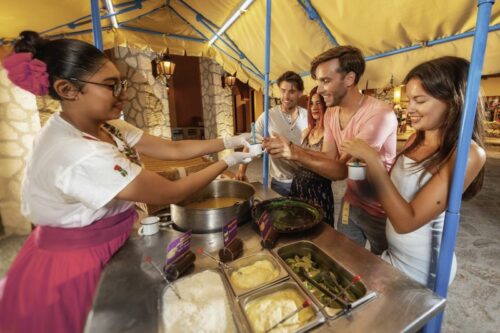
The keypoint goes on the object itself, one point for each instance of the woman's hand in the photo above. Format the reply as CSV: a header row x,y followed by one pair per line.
x,y
237,158
359,149
242,140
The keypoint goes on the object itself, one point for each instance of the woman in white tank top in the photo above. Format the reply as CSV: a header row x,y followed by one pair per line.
x,y
415,195
415,252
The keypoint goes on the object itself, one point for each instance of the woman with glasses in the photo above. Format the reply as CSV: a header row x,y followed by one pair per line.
x,y
81,182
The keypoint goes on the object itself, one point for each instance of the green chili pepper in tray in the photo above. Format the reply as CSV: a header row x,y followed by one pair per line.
x,y
324,279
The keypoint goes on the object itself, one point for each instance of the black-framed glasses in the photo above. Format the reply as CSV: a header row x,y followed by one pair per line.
x,y
117,88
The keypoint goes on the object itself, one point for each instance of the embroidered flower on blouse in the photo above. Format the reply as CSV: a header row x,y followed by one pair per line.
x,y
122,171
129,152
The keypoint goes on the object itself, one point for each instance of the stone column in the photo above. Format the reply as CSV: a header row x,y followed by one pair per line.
x,y
146,106
217,101
19,123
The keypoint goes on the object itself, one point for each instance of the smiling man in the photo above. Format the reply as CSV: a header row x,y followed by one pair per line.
x,y
350,115
287,120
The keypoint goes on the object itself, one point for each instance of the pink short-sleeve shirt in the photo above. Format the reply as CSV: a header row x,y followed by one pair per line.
x,y
376,124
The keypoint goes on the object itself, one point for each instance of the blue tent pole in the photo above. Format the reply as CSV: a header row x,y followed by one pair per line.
x,y
452,217
96,24
265,166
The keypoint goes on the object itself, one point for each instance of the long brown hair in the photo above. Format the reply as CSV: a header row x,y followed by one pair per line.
x,y
445,79
311,122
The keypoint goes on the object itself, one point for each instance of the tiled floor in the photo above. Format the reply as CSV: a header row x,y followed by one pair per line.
x,y
474,296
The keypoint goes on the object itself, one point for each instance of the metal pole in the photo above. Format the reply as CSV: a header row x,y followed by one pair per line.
x,y
96,24
267,56
313,15
452,217
430,43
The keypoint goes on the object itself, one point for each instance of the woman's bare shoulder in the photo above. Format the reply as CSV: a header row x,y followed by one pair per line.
x,y
477,154
475,160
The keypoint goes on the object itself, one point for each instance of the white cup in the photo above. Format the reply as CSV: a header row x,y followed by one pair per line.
x,y
255,150
357,170
149,226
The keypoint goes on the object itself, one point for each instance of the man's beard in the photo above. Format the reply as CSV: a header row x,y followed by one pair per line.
x,y
288,108
337,98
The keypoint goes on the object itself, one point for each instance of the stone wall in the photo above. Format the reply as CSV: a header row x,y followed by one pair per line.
x,y
217,101
146,105
46,108
19,123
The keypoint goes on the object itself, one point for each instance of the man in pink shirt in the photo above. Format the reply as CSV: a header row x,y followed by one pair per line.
x,y
350,115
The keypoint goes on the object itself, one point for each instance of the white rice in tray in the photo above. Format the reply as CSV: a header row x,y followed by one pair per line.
x,y
203,306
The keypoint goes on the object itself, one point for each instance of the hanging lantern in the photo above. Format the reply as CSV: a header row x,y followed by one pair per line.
x,y
228,80
163,68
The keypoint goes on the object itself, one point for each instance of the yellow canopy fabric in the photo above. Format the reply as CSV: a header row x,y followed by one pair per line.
x,y
184,27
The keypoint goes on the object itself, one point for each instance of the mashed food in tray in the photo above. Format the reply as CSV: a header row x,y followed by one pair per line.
x,y
265,311
251,276
203,306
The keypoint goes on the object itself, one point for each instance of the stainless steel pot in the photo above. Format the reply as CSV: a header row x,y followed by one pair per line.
x,y
206,220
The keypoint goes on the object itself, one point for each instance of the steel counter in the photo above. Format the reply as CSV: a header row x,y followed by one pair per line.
x,y
129,292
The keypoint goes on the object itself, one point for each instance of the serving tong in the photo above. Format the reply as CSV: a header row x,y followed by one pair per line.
x,y
200,250
345,305
149,260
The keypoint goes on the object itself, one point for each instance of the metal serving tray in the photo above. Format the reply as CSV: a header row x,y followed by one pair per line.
x,y
325,262
318,319
233,306
249,260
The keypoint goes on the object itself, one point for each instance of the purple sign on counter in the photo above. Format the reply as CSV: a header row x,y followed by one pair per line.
x,y
179,246
230,231
264,225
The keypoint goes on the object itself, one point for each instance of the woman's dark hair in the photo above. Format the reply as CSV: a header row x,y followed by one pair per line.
x,y
445,79
291,77
311,122
65,58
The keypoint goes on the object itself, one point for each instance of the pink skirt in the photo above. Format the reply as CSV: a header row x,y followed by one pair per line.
x,y
51,284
